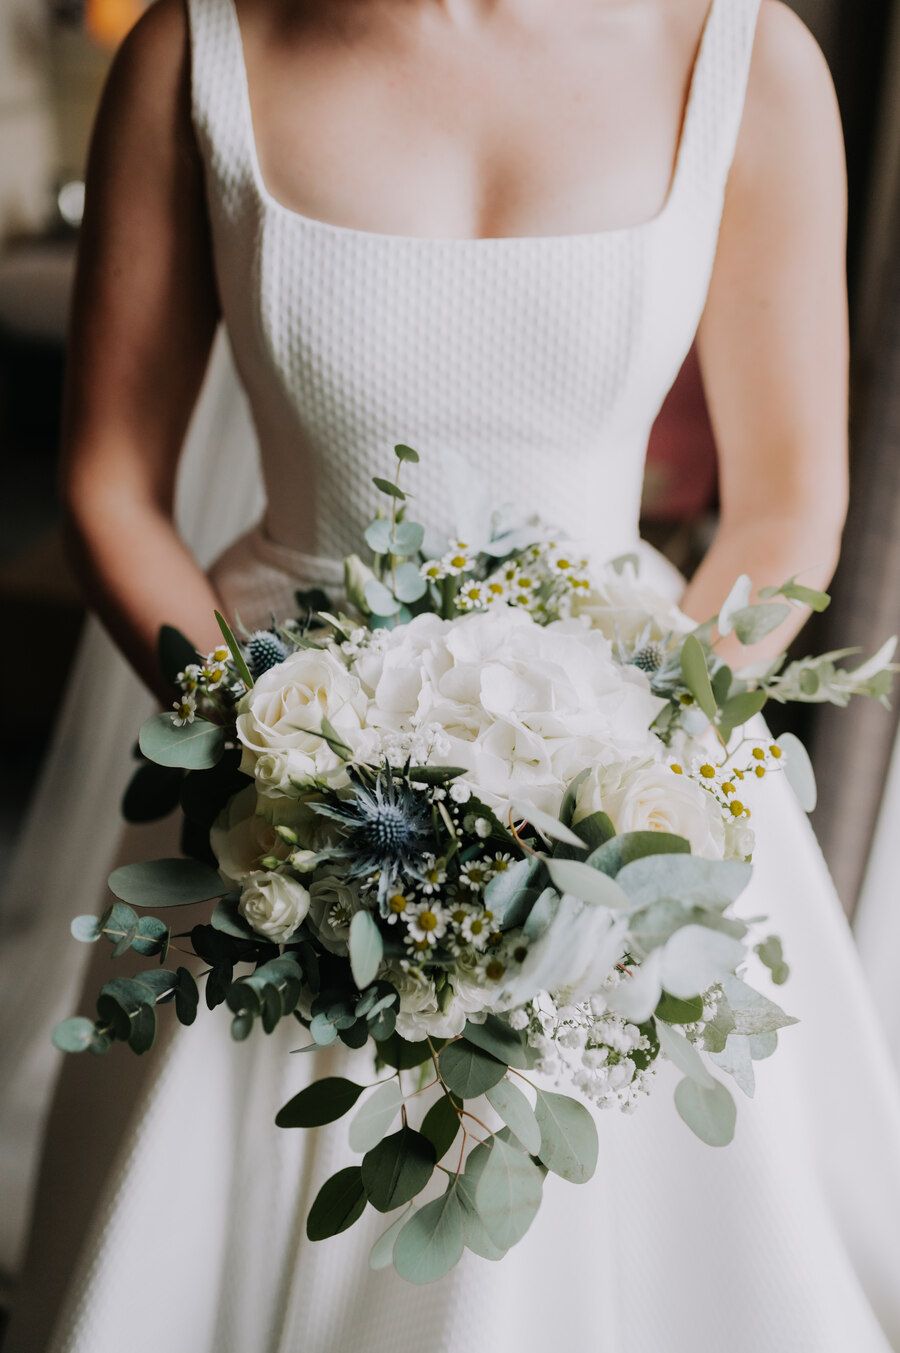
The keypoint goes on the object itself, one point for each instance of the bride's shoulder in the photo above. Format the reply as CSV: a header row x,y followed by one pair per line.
x,y
791,123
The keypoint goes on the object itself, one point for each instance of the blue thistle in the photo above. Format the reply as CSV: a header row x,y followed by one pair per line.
x,y
264,650
388,829
650,658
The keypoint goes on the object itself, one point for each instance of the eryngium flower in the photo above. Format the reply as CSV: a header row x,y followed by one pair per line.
x,y
387,831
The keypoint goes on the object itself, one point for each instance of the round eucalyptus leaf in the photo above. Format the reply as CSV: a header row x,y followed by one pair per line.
x,y
696,675
322,1102
398,1168
684,1055
696,957
404,1055
153,791
711,1114
86,928
389,487
408,583
193,746
799,771
477,1238
406,453
382,1252
587,883
339,1203
569,1141
187,997
228,920
378,537
366,948
546,823
468,1071
152,936
143,1029
241,1027
500,1040
379,600
409,537
674,1011
75,1034
441,1125
512,1106
432,1241
323,1030
373,1118
508,1193
166,883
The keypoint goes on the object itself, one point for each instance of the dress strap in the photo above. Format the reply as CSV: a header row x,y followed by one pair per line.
x,y
220,101
718,92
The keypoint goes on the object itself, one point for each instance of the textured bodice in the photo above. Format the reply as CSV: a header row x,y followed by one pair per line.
x,y
541,362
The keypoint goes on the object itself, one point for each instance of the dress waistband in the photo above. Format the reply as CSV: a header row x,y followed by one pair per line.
x,y
256,577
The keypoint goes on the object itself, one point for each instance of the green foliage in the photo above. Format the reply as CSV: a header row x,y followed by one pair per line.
x,y
587,883
193,746
75,1035
382,1252
709,1113
569,1141
406,453
441,1124
771,954
335,741
165,883
546,824
380,601
754,623
593,831
339,1203
433,1239
512,1106
228,920
152,793
366,948
237,656
389,488
467,1070
511,894
322,1102
753,1013
397,1169
174,653
684,1055
799,771
713,884
508,1193
498,1038
375,1116
794,591
674,1011
614,854
408,583
86,928
271,992
403,1055
696,675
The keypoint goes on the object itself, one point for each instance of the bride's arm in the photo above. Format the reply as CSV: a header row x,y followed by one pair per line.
x,y
144,314
773,339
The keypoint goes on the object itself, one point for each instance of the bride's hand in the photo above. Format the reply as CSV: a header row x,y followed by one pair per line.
x,y
144,314
773,339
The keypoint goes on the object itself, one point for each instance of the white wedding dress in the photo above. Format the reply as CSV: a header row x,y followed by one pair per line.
x,y
540,364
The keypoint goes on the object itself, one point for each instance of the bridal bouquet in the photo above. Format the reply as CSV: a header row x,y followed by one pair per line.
x,y
491,821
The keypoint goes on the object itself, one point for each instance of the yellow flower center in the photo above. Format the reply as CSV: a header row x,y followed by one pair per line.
x,y
728,788
760,771
736,808
775,751
458,561
758,754
678,770
397,903
494,970
427,920
708,772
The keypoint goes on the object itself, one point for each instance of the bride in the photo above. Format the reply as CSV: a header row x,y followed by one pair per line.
x,y
489,228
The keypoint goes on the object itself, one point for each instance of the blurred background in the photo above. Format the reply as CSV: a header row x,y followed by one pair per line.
x,y
53,58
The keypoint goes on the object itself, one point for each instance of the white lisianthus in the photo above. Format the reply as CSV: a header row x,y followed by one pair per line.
x,y
240,837
419,1016
641,797
279,720
273,904
333,904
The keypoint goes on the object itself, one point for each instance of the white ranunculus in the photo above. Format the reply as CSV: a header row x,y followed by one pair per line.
x,y
525,706
240,837
650,797
273,904
279,720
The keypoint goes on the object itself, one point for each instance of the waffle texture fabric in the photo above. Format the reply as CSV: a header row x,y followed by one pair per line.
x,y
540,365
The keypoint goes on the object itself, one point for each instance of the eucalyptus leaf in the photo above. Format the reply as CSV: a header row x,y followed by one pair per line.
x,y
798,771
771,954
682,1052
740,708
441,1124
409,537
187,997
510,896
322,1102
569,1141
227,919
366,948
335,741
387,486
589,884
406,453
467,1070
762,1045
432,1241
508,1193
339,1203
152,792
382,1252
753,623
408,583
378,536
87,929
497,1037
193,746
753,1012
674,1011
614,854
174,653
477,1238
696,675
397,1169
737,600
75,1035
379,600
165,883
710,1114
512,1106
703,883
695,958
545,823
373,1118
142,1034
735,1060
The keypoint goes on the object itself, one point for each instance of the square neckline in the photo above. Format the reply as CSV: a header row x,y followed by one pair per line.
x,y
313,223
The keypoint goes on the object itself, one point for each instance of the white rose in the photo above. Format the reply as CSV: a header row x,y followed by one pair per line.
x,y
273,904
641,798
280,719
620,606
240,837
